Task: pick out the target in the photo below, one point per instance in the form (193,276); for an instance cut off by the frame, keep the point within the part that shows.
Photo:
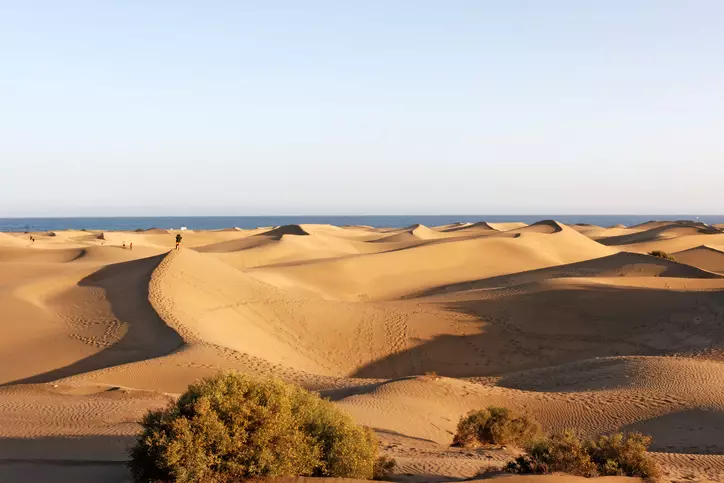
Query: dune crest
(286,230)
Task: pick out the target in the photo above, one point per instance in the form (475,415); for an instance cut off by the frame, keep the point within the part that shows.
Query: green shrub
(495,426)
(615,455)
(232,427)
(662,254)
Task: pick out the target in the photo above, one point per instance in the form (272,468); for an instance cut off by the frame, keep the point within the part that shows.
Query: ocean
(379,221)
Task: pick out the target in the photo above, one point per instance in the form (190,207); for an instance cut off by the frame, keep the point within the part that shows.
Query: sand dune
(658,224)
(7,240)
(624,264)
(675,244)
(505,226)
(33,254)
(662,233)
(99,316)
(402,272)
(238,244)
(542,318)
(706,257)
(264,249)
(544,226)
(422,232)
(599,233)
(669,237)
(482,227)
(452,226)
(411,234)
(137,238)
(286,230)
(231,228)
(594,396)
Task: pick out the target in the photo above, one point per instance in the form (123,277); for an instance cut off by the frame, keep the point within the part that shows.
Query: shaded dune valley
(405,328)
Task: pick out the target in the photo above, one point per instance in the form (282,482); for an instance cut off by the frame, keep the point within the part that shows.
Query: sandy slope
(409,270)
(576,325)
(709,258)
(666,236)
(14,240)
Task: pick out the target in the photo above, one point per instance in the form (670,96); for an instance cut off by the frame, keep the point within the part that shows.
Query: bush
(384,466)
(232,427)
(662,254)
(615,455)
(564,452)
(623,454)
(495,426)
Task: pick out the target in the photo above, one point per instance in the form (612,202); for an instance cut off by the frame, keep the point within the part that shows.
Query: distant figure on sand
(178,240)
(130,246)
(124,245)
(32,240)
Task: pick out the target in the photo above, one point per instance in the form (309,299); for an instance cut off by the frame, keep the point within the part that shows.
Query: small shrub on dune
(623,454)
(495,426)
(562,452)
(566,452)
(233,427)
(384,466)
(662,254)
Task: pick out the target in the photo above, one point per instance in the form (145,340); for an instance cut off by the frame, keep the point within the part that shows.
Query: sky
(136,107)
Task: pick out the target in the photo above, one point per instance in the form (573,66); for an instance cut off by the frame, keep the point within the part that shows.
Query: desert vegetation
(384,466)
(495,426)
(618,454)
(662,254)
(232,427)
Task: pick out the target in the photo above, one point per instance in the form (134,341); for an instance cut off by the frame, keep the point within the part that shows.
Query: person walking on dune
(178,240)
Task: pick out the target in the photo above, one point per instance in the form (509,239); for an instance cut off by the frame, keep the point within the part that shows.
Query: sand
(406,328)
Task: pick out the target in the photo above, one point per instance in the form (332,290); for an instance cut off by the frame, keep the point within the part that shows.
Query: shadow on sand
(539,327)
(71,458)
(147,336)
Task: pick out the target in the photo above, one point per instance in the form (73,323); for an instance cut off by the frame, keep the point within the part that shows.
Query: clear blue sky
(361,107)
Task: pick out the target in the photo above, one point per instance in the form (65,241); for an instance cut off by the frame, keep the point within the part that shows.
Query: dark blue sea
(380,221)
